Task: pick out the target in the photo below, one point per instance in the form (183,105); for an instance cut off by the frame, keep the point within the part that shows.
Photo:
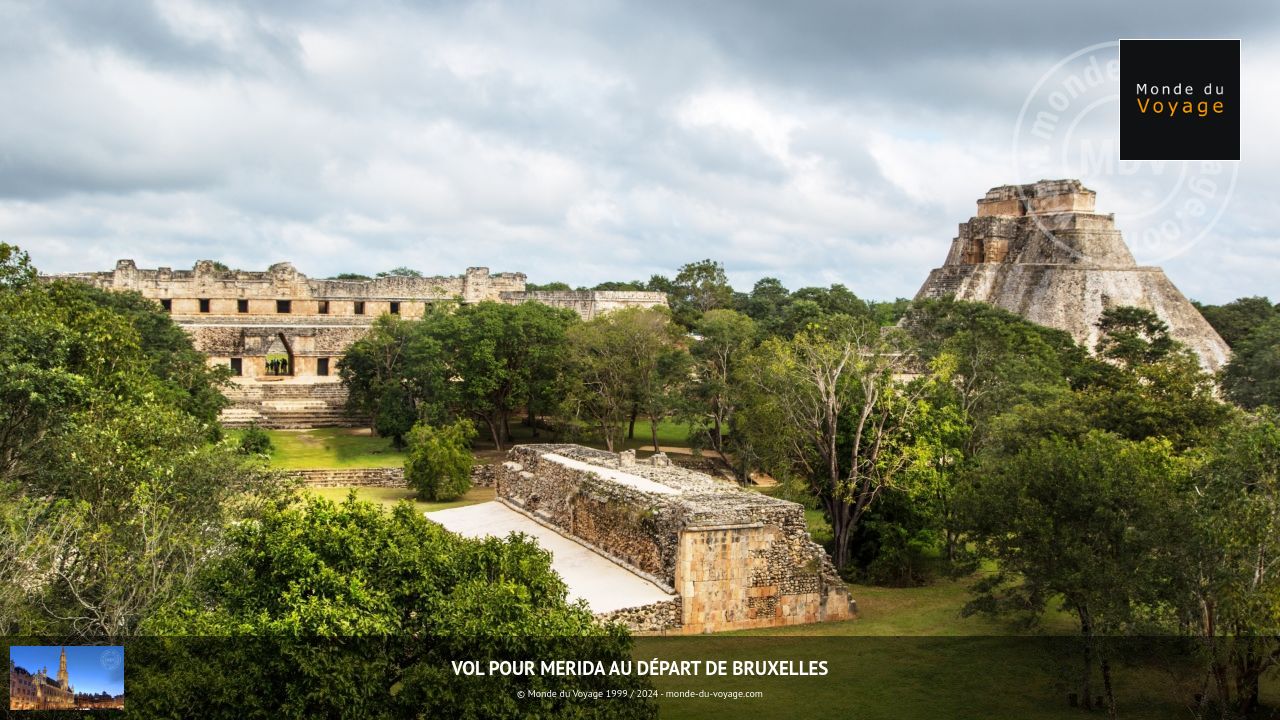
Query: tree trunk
(841,528)
(493,432)
(1248,672)
(631,427)
(608,435)
(1086,632)
(506,426)
(653,432)
(1106,686)
(531,418)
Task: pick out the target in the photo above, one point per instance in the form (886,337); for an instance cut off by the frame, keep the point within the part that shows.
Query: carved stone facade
(734,559)
(281,325)
(1040,250)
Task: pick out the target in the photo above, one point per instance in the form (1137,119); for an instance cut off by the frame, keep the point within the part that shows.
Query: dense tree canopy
(1252,376)
(405,597)
(828,407)
(1236,320)
(482,361)
(113,487)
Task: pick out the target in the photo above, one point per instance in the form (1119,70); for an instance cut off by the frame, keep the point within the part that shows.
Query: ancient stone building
(1041,251)
(282,333)
(702,554)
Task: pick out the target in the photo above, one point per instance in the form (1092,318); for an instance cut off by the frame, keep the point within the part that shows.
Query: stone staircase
(288,406)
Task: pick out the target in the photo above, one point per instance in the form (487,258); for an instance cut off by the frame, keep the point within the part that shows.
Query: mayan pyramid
(1041,251)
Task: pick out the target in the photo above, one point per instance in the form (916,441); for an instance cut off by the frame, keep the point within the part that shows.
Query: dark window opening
(359,307)
(242,306)
(284,306)
(322,366)
(395,308)
(167,304)
(323,307)
(237,367)
(204,305)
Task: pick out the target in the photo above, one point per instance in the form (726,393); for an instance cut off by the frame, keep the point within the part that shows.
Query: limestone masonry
(1041,251)
(733,559)
(282,333)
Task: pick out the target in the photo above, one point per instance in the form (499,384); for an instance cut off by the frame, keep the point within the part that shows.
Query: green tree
(1220,548)
(1078,519)
(622,285)
(1236,320)
(551,286)
(828,407)
(350,276)
(395,415)
(621,364)
(994,360)
(835,300)
(16,270)
(889,312)
(255,441)
(106,452)
(391,599)
(401,271)
(723,338)
(482,361)
(766,304)
(1146,384)
(500,357)
(439,462)
(1133,336)
(375,370)
(1252,376)
(699,287)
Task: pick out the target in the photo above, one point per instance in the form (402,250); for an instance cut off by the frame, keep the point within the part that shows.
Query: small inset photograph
(70,677)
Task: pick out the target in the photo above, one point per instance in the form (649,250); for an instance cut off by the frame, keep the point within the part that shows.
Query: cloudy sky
(582,141)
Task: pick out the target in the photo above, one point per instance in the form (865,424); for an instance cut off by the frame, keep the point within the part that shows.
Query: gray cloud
(580,141)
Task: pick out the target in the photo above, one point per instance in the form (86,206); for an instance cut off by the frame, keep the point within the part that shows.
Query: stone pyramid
(1041,251)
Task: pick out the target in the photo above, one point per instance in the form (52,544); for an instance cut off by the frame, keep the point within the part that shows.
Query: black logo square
(1179,99)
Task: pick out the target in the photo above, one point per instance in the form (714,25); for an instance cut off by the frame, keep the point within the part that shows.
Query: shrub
(439,461)
(255,441)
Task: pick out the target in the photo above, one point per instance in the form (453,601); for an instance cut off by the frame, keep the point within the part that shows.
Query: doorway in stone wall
(279,357)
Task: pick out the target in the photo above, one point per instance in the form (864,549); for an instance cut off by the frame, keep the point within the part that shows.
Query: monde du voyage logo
(1180,99)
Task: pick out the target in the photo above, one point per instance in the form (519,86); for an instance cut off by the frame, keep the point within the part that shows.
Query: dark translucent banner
(676,677)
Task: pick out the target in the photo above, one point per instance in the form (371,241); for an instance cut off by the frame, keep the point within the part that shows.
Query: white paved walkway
(624,478)
(604,584)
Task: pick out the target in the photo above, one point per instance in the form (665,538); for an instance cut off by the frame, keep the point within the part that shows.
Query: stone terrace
(737,559)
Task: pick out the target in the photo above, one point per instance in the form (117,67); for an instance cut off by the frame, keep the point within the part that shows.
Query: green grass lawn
(331,448)
(911,655)
(341,448)
(389,497)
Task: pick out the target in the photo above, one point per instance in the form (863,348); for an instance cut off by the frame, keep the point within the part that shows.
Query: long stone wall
(737,559)
(354,477)
(240,318)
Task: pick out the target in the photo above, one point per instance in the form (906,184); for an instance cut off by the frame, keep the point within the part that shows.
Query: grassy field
(341,448)
(910,654)
(331,448)
(389,497)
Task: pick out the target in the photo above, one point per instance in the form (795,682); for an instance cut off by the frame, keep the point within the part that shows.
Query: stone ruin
(282,333)
(1041,251)
(732,559)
